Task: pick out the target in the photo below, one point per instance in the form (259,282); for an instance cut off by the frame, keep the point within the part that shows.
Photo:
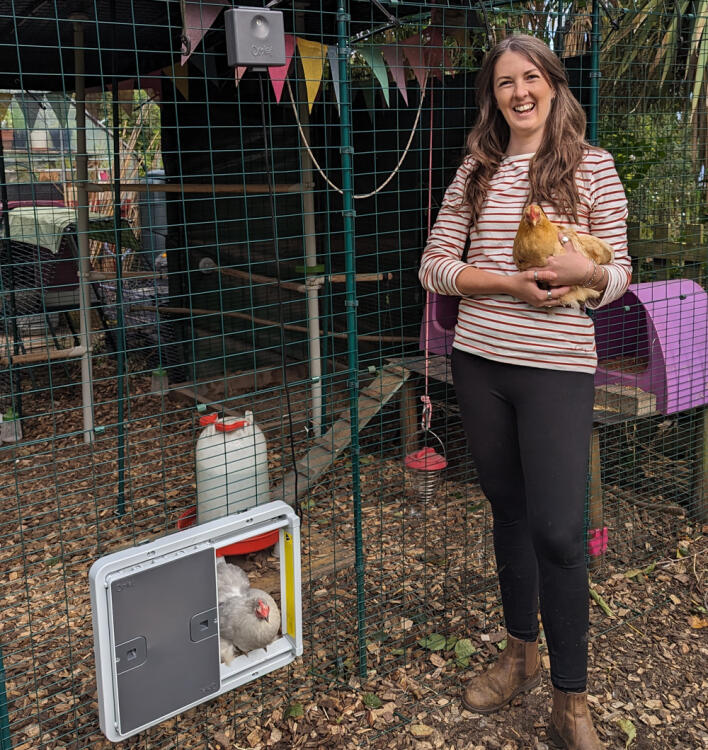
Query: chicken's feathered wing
(230,580)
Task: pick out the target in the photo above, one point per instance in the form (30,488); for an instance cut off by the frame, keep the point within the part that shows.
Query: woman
(523,364)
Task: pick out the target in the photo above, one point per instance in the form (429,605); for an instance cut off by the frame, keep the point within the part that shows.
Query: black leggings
(528,431)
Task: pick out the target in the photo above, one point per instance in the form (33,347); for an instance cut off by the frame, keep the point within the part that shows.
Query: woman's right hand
(524,286)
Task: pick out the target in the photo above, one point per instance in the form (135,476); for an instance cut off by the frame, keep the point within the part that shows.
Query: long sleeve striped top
(502,327)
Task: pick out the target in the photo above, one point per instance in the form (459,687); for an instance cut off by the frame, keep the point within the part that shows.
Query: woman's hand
(525,286)
(571,268)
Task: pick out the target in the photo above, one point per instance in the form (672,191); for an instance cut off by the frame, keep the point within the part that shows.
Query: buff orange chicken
(537,239)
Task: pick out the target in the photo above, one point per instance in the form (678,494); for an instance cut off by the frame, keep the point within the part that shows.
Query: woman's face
(524,98)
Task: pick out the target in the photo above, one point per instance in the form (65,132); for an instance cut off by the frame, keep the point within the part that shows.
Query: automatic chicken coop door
(156,627)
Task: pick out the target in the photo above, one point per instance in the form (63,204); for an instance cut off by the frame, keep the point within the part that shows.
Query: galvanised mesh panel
(251,244)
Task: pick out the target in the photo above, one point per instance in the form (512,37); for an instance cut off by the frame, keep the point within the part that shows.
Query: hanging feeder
(424,470)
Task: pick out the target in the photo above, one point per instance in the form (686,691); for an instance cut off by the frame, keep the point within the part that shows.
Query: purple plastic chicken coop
(442,315)
(654,338)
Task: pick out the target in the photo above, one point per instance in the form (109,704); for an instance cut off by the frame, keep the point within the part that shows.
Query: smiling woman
(523,365)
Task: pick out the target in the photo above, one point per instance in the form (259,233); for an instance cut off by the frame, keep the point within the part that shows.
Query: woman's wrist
(471,281)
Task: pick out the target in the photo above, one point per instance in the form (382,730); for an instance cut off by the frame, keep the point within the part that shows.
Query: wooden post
(409,417)
(595,509)
(700,466)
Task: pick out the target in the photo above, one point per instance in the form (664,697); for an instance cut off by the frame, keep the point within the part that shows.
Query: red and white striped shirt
(502,327)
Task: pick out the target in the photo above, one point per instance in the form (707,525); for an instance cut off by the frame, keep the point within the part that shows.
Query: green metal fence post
(343,51)
(594,73)
(5,740)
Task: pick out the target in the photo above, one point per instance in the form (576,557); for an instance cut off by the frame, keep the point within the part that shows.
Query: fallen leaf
(371,700)
(464,648)
(628,728)
(294,711)
(433,642)
(698,622)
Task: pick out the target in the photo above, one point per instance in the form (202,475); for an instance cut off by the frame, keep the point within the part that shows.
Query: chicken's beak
(263,610)
(532,214)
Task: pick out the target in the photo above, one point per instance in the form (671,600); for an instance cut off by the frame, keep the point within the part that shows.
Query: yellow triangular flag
(5,99)
(178,73)
(312,56)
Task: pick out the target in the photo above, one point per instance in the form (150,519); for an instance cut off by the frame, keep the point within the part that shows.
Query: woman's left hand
(571,267)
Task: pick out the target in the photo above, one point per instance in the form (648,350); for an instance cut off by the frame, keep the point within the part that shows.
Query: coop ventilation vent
(155,621)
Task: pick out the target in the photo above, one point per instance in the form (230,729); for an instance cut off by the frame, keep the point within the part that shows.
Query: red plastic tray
(252,544)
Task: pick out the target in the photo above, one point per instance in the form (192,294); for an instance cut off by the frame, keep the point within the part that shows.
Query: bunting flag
(60,107)
(180,79)
(30,109)
(238,73)
(334,71)
(372,56)
(312,57)
(198,19)
(206,65)
(393,55)
(152,82)
(5,101)
(279,73)
(414,52)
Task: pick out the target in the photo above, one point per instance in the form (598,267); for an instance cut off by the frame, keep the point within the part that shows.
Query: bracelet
(591,280)
(590,275)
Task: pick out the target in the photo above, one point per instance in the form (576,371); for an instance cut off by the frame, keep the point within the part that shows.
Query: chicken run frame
(234,239)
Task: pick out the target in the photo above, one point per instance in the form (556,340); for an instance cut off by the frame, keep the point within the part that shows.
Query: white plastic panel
(155,621)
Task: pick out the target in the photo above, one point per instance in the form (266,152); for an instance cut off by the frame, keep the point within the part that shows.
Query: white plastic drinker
(232,466)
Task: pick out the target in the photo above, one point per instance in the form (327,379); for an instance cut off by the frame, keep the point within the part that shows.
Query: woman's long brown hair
(552,168)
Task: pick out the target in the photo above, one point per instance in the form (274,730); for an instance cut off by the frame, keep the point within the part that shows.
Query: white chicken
(248,618)
(230,580)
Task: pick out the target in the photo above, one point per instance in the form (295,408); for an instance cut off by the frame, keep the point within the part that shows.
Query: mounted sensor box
(255,37)
(156,622)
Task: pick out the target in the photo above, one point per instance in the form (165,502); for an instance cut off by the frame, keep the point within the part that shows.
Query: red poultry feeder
(424,469)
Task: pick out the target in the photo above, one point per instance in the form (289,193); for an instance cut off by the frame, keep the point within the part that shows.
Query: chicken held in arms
(537,239)
(248,618)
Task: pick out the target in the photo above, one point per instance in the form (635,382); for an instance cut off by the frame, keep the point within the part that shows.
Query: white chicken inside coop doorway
(155,621)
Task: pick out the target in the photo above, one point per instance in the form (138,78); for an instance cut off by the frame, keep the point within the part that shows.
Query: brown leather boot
(517,670)
(571,724)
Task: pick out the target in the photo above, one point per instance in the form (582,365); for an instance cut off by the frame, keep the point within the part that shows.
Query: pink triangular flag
(279,74)
(415,54)
(238,73)
(393,55)
(198,19)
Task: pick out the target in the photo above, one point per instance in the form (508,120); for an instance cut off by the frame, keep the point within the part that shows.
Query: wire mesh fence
(183,238)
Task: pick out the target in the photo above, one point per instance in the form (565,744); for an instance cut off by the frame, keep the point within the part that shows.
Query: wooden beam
(191,187)
(700,464)
(625,399)
(45,355)
(264,322)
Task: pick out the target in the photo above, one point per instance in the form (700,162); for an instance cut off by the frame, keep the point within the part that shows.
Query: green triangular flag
(372,55)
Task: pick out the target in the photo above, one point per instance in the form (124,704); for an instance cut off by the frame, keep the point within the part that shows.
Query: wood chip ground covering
(429,600)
